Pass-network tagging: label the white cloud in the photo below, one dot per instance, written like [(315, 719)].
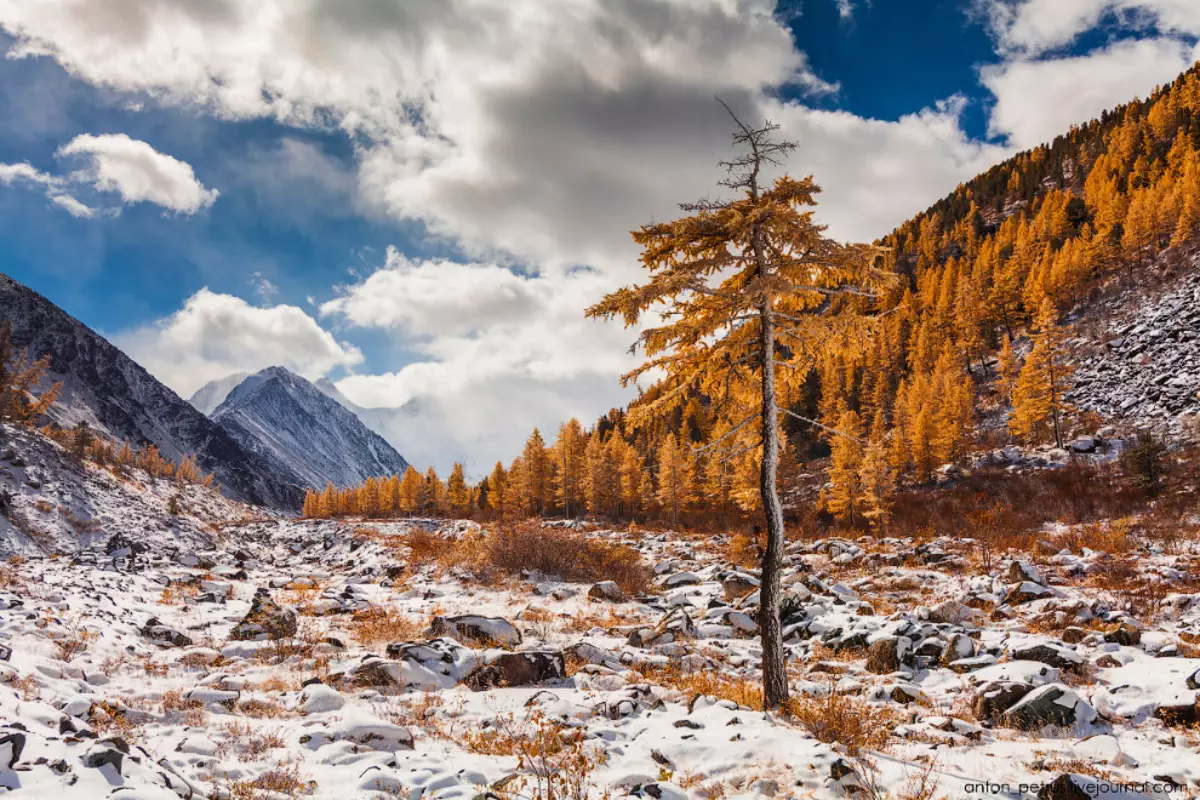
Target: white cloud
[(497, 354), (114, 163), (1032, 27), (1037, 100), (845, 9), (54, 187), (214, 335), (137, 172)]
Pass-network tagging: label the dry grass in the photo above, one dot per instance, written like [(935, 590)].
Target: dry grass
[(529, 547), (836, 718), (743, 691), (278, 782), (377, 625)]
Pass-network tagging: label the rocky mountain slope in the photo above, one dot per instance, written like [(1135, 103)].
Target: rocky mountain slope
[(52, 503), (304, 435), (1138, 354), (116, 396)]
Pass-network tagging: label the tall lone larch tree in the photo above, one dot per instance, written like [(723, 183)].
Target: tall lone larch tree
[(745, 291)]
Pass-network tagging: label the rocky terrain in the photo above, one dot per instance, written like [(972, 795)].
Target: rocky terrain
[(335, 660), (1143, 364)]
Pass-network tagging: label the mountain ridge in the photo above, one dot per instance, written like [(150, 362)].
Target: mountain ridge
[(304, 433), (105, 388)]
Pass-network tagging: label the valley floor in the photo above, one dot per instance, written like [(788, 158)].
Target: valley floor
[(955, 680)]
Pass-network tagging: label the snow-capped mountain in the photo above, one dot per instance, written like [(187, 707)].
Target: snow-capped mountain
[(213, 393), (112, 393), (307, 436)]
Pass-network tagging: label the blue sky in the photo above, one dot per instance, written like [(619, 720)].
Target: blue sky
[(342, 192)]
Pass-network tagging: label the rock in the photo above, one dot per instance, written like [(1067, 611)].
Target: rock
[(738, 585), (318, 698), (265, 620), (1026, 592), (959, 647), (996, 697), (952, 612), (606, 590), (11, 745), (524, 668), (1052, 704), (1124, 634), (682, 579), (1022, 571), (1065, 787), (163, 636), (673, 627), (1193, 680), (888, 654), (1052, 654), (1082, 444), (1074, 635), (1179, 713), (487, 631), (99, 756)]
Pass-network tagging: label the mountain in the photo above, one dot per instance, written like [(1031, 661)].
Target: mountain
[(213, 393), (303, 433), (108, 390)]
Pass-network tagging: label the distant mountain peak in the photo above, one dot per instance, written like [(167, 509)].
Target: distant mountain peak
[(305, 433)]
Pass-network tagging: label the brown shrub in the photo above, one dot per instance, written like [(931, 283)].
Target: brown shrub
[(848, 721), (569, 555), (743, 691), (377, 625)]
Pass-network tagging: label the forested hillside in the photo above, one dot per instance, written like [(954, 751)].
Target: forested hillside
[(987, 278)]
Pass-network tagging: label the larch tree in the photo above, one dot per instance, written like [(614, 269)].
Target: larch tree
[(19, 378), (845, 462), (458, 496), (568, 456), (674, 478), (1037, 397), (742, 293)]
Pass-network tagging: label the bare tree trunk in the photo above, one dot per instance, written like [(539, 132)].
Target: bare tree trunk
[(775, 682)]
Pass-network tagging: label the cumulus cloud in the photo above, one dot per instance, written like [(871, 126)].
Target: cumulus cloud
[(1032, 27), (115, 164), (215, 335), (497, 353), (137, 172), (1038, 99)]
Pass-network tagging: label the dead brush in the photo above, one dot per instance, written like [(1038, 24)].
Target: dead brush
[(743, 691), (244, 739), (1114, 537), (566, 554), (278, 782), (378, 625), (838, 718), (553, 760)]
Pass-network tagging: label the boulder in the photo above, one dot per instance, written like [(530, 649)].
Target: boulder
[(1179, 713), (1124, 634), (11, 745), (524, 668), (673, 627), (164, 636), (1021, 571), (959, 646), (1055, 655), (1052, 704), (487, 631), (606, 590), (888, 655), (1026, 592), (737, 585), (265, 620), (996, 697)]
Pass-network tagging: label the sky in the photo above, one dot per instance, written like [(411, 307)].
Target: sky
[(416, 199)]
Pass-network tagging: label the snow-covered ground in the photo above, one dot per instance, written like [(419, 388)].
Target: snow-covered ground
[(151, 681)]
